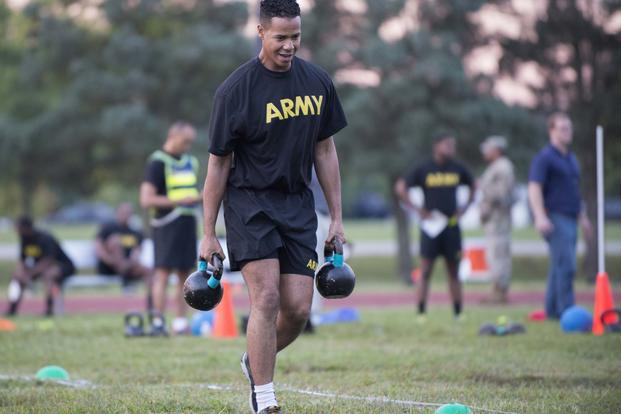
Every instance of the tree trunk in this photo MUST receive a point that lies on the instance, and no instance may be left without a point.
(404, 253)
(26, 188)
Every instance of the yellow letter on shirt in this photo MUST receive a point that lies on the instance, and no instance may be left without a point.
(272, 112)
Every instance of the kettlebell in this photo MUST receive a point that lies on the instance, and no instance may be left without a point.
(158, 324)
(202, 289)
(134, 324)
(335, 279)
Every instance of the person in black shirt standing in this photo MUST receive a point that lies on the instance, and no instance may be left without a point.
(170, 190)
(118, 249)
(41, 257)
(273, 119)
(439, 179)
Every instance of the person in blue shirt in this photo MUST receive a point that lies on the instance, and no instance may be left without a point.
(554, 195)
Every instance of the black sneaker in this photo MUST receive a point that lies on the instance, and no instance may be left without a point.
(245, 366)
(272, 409)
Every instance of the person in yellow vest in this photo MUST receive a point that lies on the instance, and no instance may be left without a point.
(170, 190)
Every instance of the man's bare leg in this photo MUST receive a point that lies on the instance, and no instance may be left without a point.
(263, 281)
(296, 294)
(455, 286)
(51, 277)
(426, 266)
(159, 289)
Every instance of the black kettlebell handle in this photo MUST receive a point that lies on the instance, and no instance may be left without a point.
(216, 262)
(333, 251)
(131, 316)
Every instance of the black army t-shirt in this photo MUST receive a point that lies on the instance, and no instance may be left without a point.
(129, 237)
(439, 183)
(41, 245)
(271, 121)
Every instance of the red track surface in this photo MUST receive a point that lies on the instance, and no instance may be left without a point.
(117, 304)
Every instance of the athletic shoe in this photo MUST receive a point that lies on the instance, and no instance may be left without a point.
(158, 330)
(461, 318)
(421, 319)
(180, 326)
(272, 409)
(252, 400)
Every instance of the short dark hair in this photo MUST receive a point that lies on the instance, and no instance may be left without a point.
(24, 222)
(441, 136)
(278, 8)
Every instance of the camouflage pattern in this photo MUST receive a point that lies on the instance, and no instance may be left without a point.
(496, 186)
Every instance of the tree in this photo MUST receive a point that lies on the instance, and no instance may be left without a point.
(578, 60)
(90, 102)
(422, 88)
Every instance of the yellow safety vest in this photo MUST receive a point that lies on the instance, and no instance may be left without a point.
(180, 176)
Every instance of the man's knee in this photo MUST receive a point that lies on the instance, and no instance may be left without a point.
(297, 314)
(266, 303)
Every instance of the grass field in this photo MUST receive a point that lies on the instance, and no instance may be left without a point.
(360, 368)
(387, 354)
(357, 230)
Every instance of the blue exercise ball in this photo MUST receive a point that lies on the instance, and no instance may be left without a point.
(576, 319)
(202, 322)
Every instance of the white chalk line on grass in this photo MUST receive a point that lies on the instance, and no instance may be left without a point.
(67, 383)
(83, 384)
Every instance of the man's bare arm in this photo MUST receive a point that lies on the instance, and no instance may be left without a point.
(329, 176)
(218, 170)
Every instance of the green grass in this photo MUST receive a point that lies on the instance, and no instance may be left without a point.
(362, 230)
(357, 230)
(386, 354)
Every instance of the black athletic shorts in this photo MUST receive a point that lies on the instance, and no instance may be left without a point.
(447, 244)
(175, 244)
(271, 224)
(66, 269)
(104, 269)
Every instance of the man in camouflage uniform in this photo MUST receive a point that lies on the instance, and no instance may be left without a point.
(496, 186)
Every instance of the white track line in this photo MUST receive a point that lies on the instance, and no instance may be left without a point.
(83, 384)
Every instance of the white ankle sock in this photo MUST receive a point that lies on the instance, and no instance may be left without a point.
(265, 396)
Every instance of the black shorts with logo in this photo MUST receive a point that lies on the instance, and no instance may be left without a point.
(175, 244)
(447, 244)
(269, 224)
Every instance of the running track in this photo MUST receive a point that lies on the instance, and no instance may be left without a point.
(115, 304)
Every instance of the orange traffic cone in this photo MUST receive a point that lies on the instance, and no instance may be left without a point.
(224, 321)
(603, 302)
(476, 255)
(7, 325)
(415, 275)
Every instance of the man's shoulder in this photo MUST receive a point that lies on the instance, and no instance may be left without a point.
(43, 236)
(312, 69)
(237, 78)
(545, 152)
(454, 164)
(424, 166)
(108, 226)
(505, 163)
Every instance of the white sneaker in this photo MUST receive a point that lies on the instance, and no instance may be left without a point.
(180, 326)
(245, 366)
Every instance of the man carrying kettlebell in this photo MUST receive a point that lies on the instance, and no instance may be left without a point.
(272, 120)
